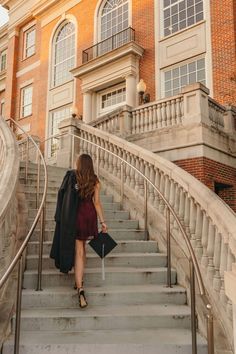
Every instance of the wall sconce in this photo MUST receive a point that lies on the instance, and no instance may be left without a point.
(141, 88)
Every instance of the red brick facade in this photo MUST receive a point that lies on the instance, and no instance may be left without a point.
(218, 177)
(223, 28)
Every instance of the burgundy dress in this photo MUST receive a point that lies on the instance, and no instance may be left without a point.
(86, 220)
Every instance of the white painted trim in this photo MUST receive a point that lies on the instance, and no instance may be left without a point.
(209, 65)
(26, 83)
(157, 24)
(63, 18)
(28, 68)
(29, 25)
(97, 15)
(59, 11)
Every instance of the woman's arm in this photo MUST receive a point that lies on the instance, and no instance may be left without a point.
(98, 206)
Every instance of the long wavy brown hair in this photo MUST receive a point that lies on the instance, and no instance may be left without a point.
(86, 178)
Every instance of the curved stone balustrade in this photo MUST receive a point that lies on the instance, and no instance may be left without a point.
(216, 114)
(9, 169)
(210, 224)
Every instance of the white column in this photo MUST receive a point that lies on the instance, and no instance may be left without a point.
(131, 91)
(87, 107)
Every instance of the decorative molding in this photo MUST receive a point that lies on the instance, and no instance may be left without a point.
(28, 68)
(26, 83)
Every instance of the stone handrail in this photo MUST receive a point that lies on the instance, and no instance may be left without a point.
(9, 169)
(209, 222)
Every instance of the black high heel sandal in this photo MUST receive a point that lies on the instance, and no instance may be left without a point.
(82, 299)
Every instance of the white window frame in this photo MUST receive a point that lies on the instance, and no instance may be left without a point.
(55, 141)
(26, 48)
(2, 54)
(102, 111)
(53, 48)
(179, 30)
(172, 67)
(22, 105)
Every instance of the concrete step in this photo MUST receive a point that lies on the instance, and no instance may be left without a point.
(106, 317)
(51, 206)
(117, 260)
(108, 214)
(52, 197)
(93, 277)
(116, 234)
(111, 224)
(51, 189)
(124, 246)
(141, 341)
(66, 297)
(32, 181)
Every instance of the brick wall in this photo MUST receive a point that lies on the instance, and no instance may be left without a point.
(210, 172)
(223, 28)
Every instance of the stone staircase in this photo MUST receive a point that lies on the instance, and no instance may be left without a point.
(132, 311)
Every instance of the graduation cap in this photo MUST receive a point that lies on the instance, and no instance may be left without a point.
(102, 245)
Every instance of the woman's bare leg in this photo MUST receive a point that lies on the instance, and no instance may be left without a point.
(80, 258)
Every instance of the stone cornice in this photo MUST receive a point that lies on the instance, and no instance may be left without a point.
(130, 48)
(43, 6)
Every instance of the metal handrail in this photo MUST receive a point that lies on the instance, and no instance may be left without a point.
(85, 53)
(19, 255)
(194, 267)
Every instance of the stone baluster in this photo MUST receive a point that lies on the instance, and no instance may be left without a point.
(173, 112)
(142, 170)
(198, 232)
(102, 154)
(106, 156)
(168, 114)
(229, 306)
(167, 188)
(179, 103)
(119, 153)
(141, 126)
(157, 184)
(146, 120)
(132, 173)
(163, 114)
(151, 117)
(205, 228)
(181, 205)
(127, 169)
(187, 214)
(134, 122)
(147, 174)
(223, 268)
(172, 193)
(162, 190)
(110, 158)
(210, 253)
(152, 179)
(159, 116)
(137, 177)
(216, 261)
(154, 115)
(139, 123)
(192, 224)
(114, 161)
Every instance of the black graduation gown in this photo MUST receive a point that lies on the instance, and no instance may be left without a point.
(63, 246)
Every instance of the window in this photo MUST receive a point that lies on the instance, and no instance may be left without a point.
(178, 77)
(179, 14)
(26, 101)
(114, 17)
(29, 42)
(3, 60)
(64, 54)
(55, 118)
(112, 98)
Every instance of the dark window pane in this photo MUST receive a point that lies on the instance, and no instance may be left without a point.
(182, 5)
(175, 92)
(190, 2)
(173, 1)
(166, 3)
(168, 86)
(167, 75)
(199, 7)
(167, 22)
(175, 72)
(201, 75)
(176, 83)
(182, 24)
(182, 15)
(200, 64)
(167, 32)
(174, 10)
(167, 13)
(190, 11)
(174, 19)
(199, 17)
(175, 28)
(183, 70)
(192, 78)
(184, 80)
(190, 21)
(192, 67)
